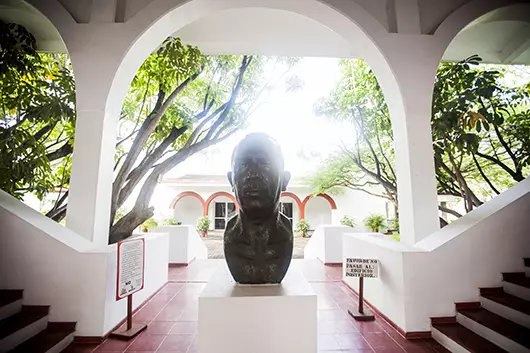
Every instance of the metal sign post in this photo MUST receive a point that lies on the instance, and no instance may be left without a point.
(130, 279)
(361, 268)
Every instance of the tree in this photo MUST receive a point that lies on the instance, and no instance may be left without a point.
(189, 102)
(368, 164)
(480, 130)
(38, 116)
(180, 106)
(179, 103)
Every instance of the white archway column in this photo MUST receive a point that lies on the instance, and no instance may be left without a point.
(414, 61)
(94, 145)
(96, 50)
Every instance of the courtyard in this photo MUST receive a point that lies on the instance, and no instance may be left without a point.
(172, 316)
(409, 118)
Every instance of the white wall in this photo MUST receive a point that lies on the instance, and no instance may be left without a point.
(449, 266)
(259, 36)
(386, 293)
(51, 272)
(469, 253)
(55, 266)
(355, 204)
(318, 212)
(359, 205)
(326, 243)
(155, 276)
(188, 210)
(185, 244)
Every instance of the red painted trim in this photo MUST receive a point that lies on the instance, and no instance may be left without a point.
(220, 193)
(100, 339)
(326, 196)
(443, 320)
(491, 290)
(89, 339)
(418, 335)
(467, 305)
(408, 335)
(191, 194)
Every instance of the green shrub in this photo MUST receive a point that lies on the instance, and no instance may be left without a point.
(149, 224)
(203, 224)
(374, 222)
(303, 227)
(348, 221)
(170, 222)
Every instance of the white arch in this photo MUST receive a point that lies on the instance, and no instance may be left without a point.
(117, 57)
(466, 14)
(163, 17)
(58, 16)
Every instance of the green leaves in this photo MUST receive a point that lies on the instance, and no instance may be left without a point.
(170, 65)
(480, 125)
(38, 106)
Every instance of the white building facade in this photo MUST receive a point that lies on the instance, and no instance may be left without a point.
(192, 196)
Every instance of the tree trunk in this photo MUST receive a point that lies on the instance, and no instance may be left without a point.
(125, 226)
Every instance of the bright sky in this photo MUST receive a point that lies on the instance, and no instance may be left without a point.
(289, 118)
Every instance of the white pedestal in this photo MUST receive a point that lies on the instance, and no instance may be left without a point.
(257, 319)
(185, 244)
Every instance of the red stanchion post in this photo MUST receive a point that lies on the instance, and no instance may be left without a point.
(129, 280)
(129, 312)
(361, 314)
(361, 295)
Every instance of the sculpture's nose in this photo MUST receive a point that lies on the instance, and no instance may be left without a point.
(253, 173)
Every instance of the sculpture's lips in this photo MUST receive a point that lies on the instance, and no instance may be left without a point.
(253, 193)
(253, 189)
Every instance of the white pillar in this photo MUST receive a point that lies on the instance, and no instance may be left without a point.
(335, 217)
(94, 147)
(92, 174)
(414, 62)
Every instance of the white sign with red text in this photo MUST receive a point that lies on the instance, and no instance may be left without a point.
(131, 258)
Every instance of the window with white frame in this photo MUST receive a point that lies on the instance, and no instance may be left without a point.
(223, 212)
(287, 209)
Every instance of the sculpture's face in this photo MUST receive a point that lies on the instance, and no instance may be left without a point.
(257, 176)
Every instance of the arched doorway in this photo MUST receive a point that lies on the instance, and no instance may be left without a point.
(187, 207)
(318, 210)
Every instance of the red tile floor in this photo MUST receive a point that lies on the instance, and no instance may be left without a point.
(172, 316)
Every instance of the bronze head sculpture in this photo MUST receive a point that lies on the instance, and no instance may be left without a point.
(258, 241)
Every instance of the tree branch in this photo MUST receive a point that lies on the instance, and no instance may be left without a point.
(486, 179)
(450, 211)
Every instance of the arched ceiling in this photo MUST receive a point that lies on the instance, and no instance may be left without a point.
(263, 31)
(502, 36)
(16, 11)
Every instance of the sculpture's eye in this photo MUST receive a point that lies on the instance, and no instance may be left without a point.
(264, 161)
